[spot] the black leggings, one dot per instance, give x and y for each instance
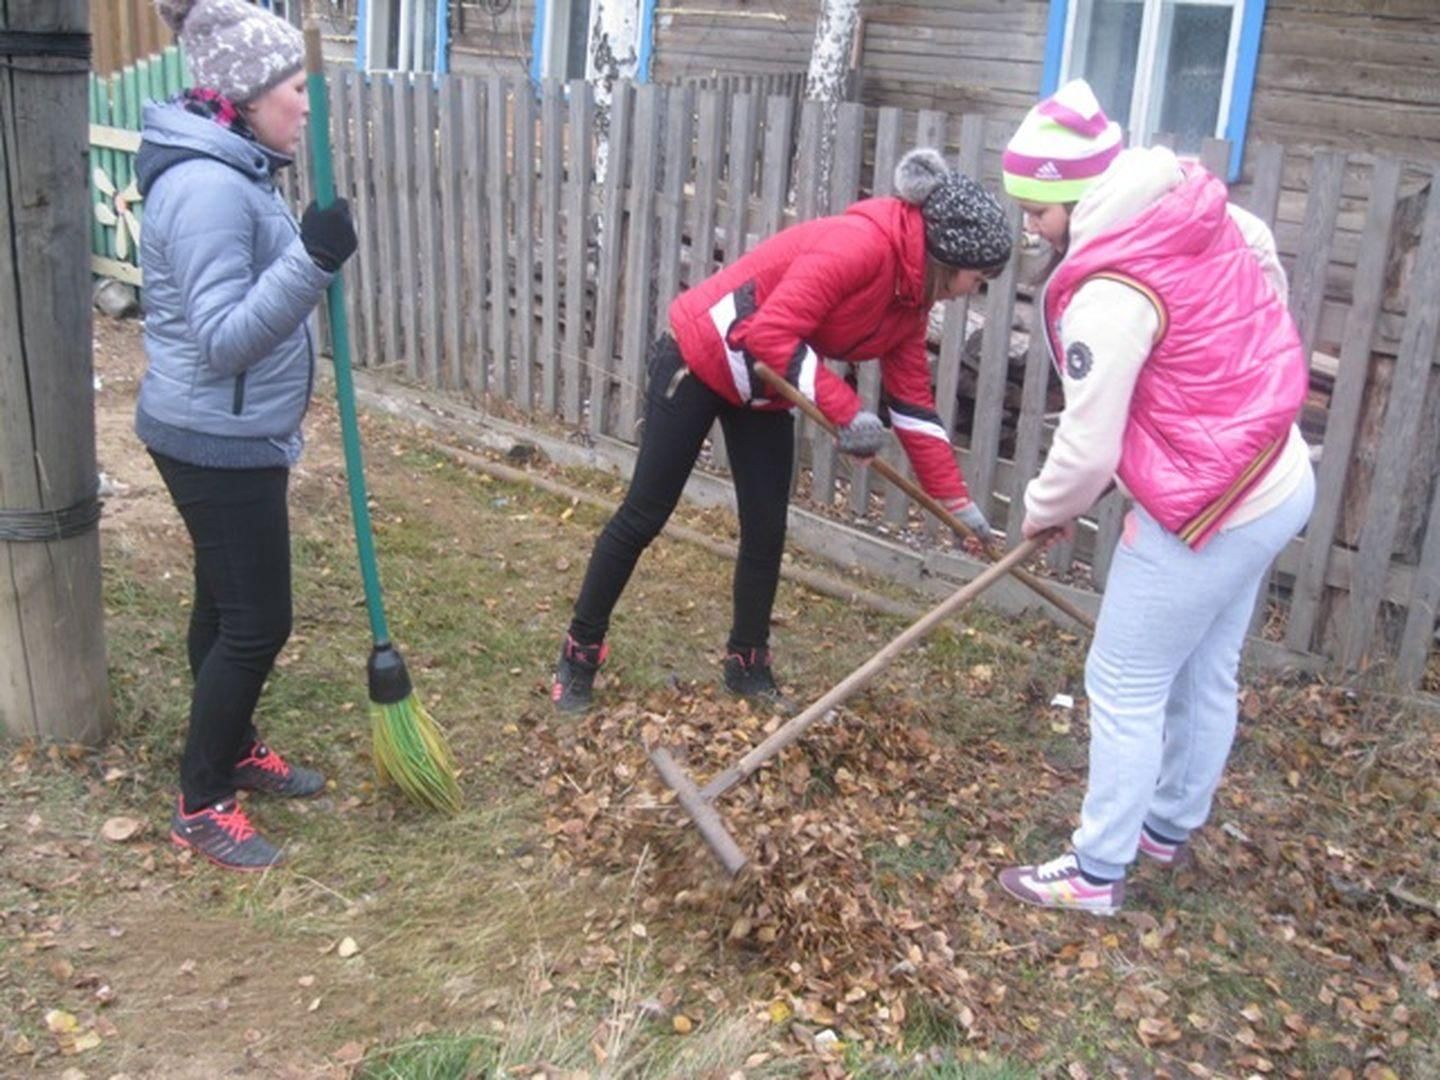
(679, 412)
(239, 523)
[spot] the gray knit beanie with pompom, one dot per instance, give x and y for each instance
(965, 226)
(234, 47)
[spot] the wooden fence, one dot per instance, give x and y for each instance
(494, 264)
(123, 31)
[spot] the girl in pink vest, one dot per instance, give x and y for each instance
(1183, 375)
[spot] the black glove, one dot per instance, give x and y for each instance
(862, 437)
(328, 234)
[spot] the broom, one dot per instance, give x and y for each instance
(410, 750)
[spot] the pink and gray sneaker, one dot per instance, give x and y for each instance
(223, 834)
(1060, 883)
(263, 769)
(1165, 852)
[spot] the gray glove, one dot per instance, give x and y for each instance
(863, 436)
(973, 518)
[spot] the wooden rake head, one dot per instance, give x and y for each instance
(699, 802)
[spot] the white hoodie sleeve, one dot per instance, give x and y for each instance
(1107, 334)
(1261, 242)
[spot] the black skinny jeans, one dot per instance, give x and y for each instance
(239, 523)
(679, 412)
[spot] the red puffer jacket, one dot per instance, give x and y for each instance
(848, 287)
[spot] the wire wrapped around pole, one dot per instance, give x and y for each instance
(44, 526)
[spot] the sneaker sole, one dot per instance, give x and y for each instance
(283, 794)
(181, 842)
(1109, 911)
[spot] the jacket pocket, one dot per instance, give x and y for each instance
(237, 403)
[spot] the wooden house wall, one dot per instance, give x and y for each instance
(485, 44)
(741, 37)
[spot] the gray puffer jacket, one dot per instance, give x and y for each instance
(229, 292)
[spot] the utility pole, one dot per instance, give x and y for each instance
(52, 646)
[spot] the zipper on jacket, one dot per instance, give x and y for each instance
(237, 405)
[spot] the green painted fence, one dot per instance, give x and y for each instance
(116, 104)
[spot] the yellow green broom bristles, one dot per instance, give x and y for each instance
(411, 753)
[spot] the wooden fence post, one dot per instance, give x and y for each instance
(52, 648)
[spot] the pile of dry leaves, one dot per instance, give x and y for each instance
(843, 900)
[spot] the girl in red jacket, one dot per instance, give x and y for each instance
(856, 286)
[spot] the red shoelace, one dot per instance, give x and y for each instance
(233, 821)
(270, 761)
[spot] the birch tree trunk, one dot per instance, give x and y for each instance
(614, 53)
(829, 69)
(52, 650)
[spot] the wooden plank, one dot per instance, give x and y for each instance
(344, 159)
(608, 300)
(888, 124)
(404, 106)
(1268, 162)
(990, 382)
(473, 186)
(639, 269)
(432, 289)
(577, 251)
(1307, 286)
(775, 163)
(679, 128)
(1344, 413)
(847, 151)
(451, 147)
(387, 200)
(357, 90)
(524, 181)
(552, 173)
(1034, 394)
(709, 152)
(114, 268)
(1109, 522)
(743, 140)
(1402, 420)
(1417, 640)
(1215, 157)
(497, 161)
(114, 138)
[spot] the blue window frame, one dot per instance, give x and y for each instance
(1184, 66)
(402, 35)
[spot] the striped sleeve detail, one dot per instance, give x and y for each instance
(916, 420)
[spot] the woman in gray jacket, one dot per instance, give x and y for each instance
(231, 283)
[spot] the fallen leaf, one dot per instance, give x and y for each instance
(683, 1024)
(119, 829)
(59, 1021)
(347, 948)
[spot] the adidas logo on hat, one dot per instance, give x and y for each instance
(1048, 171)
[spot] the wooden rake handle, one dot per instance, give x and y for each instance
(862, 676)
(905, 484)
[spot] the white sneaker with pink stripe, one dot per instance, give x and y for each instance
(1165, 852)
(1060, 883)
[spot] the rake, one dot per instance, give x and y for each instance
(699, 802)
(916, 492)
(410, 750)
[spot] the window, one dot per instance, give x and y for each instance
(1183, 67)
(403, 35)
(562, 39)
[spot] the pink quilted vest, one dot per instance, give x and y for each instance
(1215, 400)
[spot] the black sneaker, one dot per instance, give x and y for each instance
(262, 769)
(224, 835)
(574, 683)
(748, 675)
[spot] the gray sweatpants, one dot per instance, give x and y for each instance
(1161, 677)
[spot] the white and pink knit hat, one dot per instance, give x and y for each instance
(1062, 147)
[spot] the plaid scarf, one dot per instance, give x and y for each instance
(217, 107)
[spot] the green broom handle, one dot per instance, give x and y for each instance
(340, 342)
